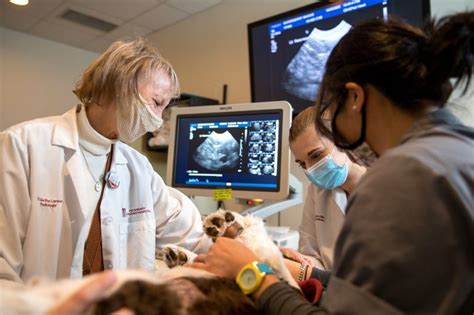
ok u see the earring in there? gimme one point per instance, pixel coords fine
(354, 107)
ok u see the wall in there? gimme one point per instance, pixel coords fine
(37, 76)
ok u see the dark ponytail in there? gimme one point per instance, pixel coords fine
(408, 65)
(450, 48)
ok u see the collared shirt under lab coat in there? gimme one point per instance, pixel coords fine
(44, 225)
(323, 218)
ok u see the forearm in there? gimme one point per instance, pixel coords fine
(276, 297)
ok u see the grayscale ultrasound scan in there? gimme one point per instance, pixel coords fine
(267, 169)
(268, 137)
(268, 147)
(269, 126)
(304, 72)
(255, 148)
(267, 158)
(256, 136)
(256, 126)
(218, 152)
(255, 169)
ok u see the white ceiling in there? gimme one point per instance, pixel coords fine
(134, 18)
(42, 18)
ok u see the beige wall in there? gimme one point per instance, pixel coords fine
(37, 76)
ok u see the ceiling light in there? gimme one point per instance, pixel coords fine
(19, 2)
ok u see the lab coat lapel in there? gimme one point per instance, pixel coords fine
(74, 176)
(119, 158)
(65, 134)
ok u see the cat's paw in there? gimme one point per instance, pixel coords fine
(222, 223)
(174, 256)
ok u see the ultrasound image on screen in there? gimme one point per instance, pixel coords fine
(305, 71)
(220, 151)
(238, 151)
(215, 150)
(245, 147)
(262, 148)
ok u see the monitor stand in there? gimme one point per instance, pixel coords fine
(269, 208)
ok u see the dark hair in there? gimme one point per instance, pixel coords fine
(408, 65)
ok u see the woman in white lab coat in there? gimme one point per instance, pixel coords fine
(75, 199)
(333, 177)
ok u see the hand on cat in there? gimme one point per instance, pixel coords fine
(225, 258)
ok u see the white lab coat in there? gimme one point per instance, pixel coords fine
(44, 225)
(323, 217)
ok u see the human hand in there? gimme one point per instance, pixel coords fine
(93, 291)
(225, 258)
(296, 256)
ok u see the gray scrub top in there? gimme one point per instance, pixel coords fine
(407, 245)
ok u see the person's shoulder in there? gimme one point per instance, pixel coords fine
(394, 169)
(441, 149)
(439, 155)
(404, 180)
(31, 128)
(316, 194)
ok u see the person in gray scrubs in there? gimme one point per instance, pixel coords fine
(407, 245)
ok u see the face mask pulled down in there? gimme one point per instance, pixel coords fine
(134, 120)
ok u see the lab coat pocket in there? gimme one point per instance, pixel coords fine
(137, 244)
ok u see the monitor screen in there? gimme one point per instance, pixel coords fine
(242, 147)
(288, 52)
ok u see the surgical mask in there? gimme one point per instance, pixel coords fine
(327, 174)
(134, 120)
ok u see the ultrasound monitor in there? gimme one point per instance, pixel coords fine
(242, 147)
(288, 51)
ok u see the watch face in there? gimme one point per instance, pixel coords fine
(248, 278)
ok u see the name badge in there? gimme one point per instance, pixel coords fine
(112, 180)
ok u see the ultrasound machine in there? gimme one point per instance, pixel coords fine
(242, 148)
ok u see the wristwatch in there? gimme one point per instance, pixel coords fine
(251, 276)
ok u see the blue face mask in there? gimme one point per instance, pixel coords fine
(327, 174)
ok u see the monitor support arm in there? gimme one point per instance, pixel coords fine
(269, 208)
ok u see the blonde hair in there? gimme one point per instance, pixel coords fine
(115, 74)
(302, 121)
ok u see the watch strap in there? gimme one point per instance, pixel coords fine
(265, 268)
